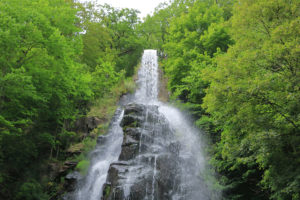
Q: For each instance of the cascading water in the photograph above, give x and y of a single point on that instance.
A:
(150, 153)
(148, 79)
(107, 151)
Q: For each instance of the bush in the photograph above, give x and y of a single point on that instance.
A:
(83, 166)
(31, 190)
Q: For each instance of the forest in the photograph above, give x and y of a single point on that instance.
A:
(232, 64)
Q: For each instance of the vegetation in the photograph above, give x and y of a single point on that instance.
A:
(57, 59)
(233, 64)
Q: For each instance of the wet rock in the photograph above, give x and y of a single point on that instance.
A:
(167, 167)
(71, 180)
(175, 147)
(135, 133)
(135, 109)
(138, 190)
(132, 121)
(101, 140)
(112, 188)
(148, 163)
(126, 99)
(128, 140)
(129, 152)
(114, 173)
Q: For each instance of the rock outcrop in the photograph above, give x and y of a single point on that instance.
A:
(71, 180)
(148, 163)
(86, 124)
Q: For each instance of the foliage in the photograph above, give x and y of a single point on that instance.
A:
(195, 38)
(154, 29)
(41, 83)
(234, 65)
(111, 37)
(237, 69)
(56, 58)
(82, 166)
(254, 96)
(31, 191)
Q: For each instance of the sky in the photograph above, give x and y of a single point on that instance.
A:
(144, 6)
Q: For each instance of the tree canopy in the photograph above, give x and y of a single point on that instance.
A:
(56, 57)
(234, 65)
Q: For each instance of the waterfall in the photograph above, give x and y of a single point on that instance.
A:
(148, 79)
(151, 151)
(107, 150)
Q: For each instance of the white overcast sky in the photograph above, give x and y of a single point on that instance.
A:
(144, 6)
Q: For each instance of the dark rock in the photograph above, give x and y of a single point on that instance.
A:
(70, 164)
(86, 124)
(71, 180)
(121, 163)
(126, 99)
(175, 147)
(101, 139)
(115, 172)
(144, 157)
(167, 167)
(135, 133)
(128, 140)
(131, 121)
(133, 108)
(129, 152)
(138, 190)
(67, 167)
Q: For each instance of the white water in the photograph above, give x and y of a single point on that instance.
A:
(153, 178)
(185, 133)
(190, 186)
(148, 79)
(102, 157)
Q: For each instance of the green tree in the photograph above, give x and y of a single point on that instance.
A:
(111, 35)
(254, 99)
(122, 24)
(194, 37)
(41, 85)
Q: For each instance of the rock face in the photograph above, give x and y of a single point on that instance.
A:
(148, 163)
(86, 124)
(71, 180)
